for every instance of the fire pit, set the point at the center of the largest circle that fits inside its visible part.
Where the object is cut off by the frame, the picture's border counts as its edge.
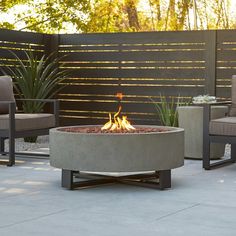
(117, 146)
(152, 150)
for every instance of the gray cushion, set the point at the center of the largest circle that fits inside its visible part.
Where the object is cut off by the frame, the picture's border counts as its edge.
(233, 97)
(223, 126)
(29, 121)
(232, 110)
(233, 90)
(6, 93)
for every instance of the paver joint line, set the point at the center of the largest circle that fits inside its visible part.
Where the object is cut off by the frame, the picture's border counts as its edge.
(32, 219)
(176, 212)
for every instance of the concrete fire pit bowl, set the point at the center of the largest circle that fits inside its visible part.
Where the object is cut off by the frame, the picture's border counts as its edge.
(78, 153)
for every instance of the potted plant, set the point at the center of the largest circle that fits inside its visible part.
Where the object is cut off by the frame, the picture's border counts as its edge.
(167, 111)
(36, 78)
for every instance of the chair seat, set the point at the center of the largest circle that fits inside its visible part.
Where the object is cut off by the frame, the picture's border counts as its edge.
(223, 126)
(28, 121)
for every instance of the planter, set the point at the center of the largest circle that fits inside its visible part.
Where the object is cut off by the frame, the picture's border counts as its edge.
(191, 119)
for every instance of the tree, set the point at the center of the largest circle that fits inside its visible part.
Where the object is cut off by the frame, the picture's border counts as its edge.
(57, 16)
(49, 16)
(131, 9)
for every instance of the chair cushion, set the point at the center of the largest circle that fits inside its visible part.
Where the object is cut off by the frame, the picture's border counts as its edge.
(6, 93)
(223, 126)
(28, 121)
(233, 90)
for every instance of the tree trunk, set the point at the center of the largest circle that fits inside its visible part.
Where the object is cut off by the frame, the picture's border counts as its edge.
(131, 10)
(158, 9)
(183, 13)
(173, 20)
(195, 14)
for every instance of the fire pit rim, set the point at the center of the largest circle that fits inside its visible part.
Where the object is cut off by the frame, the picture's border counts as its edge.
(170, 129)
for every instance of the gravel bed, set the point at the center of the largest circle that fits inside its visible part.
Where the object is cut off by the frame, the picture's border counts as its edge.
(42, 142)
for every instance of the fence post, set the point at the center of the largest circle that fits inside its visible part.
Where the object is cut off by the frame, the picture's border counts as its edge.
(210, 62)
(51, 43)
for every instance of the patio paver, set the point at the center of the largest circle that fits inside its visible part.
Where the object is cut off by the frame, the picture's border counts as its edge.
(199, 203)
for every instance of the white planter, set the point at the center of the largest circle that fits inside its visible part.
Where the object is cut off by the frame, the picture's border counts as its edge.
(191, 119)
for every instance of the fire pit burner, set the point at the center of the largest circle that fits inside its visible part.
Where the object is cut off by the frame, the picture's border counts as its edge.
(152, 151)
(97, 129)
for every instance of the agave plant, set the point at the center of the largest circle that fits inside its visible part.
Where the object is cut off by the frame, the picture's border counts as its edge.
(167, 111)
(36, 78)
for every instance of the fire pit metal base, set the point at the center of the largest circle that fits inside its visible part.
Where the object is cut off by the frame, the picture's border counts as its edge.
(157, 179)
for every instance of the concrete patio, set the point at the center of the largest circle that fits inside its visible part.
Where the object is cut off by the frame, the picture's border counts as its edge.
(199, 203)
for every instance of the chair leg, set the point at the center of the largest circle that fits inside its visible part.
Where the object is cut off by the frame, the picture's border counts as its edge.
(2, 145)
(233, 152)
(11, 150)
(206, 152)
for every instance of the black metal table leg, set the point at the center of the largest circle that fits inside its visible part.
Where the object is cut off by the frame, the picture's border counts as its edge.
(165, 179)
(67, 179)
(158, 179)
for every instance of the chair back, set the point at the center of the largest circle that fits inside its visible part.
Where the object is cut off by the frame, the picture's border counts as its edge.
(6, 92)
(233, 90)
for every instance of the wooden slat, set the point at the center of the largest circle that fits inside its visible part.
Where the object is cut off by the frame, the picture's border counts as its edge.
(140, 90)
(139, 73)
(132, 38)
(132, 47)
(226, 55)
(135, 56)
(225, 73)
(141, 64)
(21, 37)
(223, 92)
(137, 81)
(226, 36)
(89, 121)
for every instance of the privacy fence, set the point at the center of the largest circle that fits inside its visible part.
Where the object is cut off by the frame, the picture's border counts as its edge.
(140, 65)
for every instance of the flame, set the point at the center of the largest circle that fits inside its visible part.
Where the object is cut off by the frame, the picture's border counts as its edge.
(119, 96)
(117, 123)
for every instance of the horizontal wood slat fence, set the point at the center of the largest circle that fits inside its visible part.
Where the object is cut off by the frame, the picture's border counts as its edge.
(140, 65)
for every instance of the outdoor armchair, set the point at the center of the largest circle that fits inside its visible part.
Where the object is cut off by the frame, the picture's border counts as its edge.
(222, 130)
(18, 125)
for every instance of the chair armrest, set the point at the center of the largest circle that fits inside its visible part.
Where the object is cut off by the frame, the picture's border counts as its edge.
(213, 103)
(219, 103)
(11, 111)
(7, 102)
(55, 103)
(11, 106)
(207, 112)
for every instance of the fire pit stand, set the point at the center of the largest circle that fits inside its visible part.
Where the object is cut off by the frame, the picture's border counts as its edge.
(145, 158)
(157, 179)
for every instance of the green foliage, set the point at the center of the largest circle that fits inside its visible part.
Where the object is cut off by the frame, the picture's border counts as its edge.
(47, 16)
(167, 110)
(6, 25)
(36, 78)
(6, 4)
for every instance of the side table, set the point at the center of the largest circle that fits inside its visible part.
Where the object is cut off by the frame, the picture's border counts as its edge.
(191, 119)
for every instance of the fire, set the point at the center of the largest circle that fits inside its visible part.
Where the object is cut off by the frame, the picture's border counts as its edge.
(117, 123)
(119, 96)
